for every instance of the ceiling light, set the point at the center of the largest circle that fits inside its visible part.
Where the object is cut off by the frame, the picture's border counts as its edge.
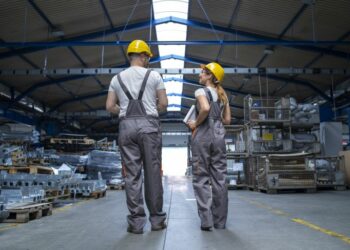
(57, 32)
(268, 51)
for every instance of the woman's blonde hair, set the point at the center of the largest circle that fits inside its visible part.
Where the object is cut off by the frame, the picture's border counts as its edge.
(221, 92)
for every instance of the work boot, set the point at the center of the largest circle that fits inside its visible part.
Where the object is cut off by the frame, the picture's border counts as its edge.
(131, 230)
(208, 229)
(161, 226)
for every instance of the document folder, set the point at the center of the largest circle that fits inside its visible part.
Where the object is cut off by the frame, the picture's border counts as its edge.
(191, 114)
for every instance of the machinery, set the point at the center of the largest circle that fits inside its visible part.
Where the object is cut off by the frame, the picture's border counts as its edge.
(328, 171)
(282, 172)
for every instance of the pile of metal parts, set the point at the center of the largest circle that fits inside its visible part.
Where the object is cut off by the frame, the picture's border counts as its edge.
(19, 133)
(12, 155)
(107, 162)
(20, 189)
(328, 171)
(77, 186)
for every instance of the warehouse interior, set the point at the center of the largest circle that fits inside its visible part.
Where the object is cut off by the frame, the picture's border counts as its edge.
(287, 78)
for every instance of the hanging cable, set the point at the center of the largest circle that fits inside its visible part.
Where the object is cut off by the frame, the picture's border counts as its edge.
(46, 51)
(333, 98)
(313, 20)
(150, 22)
(260, 92)
(103, 39)
(236, 49)
(25, 23)
(208, 19)
(267, 85)
(127, 22)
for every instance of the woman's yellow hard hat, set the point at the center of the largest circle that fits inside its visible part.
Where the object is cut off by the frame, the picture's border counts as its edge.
(215, 69)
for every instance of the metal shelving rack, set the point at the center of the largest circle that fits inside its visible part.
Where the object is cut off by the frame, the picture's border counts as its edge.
(236, 151)
(273, 164)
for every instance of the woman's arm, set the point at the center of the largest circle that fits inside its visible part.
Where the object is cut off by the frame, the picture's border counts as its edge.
(203, 112)
(226, 118)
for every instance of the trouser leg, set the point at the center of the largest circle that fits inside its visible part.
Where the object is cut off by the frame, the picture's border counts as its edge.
(131, 156)
(153, 180)
(218, 170)
(201, 182)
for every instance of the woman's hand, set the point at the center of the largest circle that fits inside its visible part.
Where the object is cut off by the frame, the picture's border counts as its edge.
(192, 125)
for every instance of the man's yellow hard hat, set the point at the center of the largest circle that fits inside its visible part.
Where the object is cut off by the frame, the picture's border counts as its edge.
(139, 46)
(215, 69)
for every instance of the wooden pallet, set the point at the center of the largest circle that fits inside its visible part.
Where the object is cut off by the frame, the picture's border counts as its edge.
(36, 161)
(31, 169)
(116, 187)
(98, 194)
(55, 198)
(236, 187)
(289, 190)
(26, 213)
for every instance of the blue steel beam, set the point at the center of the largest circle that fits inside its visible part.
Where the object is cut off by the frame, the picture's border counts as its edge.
(293, 44)
(17, 117)
(302, 45)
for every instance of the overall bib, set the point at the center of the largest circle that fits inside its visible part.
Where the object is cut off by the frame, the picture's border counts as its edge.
(140, 145)
(209, 168)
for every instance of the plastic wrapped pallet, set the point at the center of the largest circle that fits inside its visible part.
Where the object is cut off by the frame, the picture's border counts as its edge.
(106, 162)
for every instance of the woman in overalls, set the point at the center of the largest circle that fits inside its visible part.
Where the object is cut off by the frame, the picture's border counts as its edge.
(208, 148)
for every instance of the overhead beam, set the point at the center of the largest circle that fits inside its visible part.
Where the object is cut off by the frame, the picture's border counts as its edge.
(184, 71)
(261, 39)
(82, 73)
(294, 44)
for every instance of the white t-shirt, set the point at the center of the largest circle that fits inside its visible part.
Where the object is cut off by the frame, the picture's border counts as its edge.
(132, 78)
(201, 91)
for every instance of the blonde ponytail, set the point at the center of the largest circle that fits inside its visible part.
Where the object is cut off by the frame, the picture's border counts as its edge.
(221, 94)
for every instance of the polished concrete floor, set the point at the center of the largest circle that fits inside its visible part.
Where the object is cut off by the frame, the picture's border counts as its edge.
(256, 221)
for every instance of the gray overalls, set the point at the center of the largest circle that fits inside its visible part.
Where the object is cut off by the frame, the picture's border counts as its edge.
(209, 168)
(140, 145)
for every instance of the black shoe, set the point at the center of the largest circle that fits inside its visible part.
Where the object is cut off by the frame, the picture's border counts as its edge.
(219, 227)
(160, 227)
(206, 229)
(131, 230)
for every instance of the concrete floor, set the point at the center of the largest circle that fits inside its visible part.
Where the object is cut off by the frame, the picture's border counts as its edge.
(256, 221)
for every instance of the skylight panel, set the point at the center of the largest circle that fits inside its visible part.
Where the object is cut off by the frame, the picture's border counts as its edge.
(172, 32)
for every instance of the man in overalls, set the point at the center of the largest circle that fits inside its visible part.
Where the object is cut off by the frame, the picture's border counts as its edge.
(141, 95)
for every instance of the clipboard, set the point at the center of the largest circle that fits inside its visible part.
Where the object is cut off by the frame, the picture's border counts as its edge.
(191, 115)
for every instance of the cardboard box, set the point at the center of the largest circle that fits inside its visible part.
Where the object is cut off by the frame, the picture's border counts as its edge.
(346, 166)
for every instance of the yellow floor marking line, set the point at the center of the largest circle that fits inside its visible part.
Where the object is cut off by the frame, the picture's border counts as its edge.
(9, 226)
(323, 230)
(297, 220)
(61, 209)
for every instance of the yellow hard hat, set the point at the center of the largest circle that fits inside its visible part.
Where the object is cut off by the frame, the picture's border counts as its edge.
(215, 69)
(139, 46)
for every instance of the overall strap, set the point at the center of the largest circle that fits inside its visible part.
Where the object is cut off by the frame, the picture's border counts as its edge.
(144, 84)
(126, 91)
(209, 94)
